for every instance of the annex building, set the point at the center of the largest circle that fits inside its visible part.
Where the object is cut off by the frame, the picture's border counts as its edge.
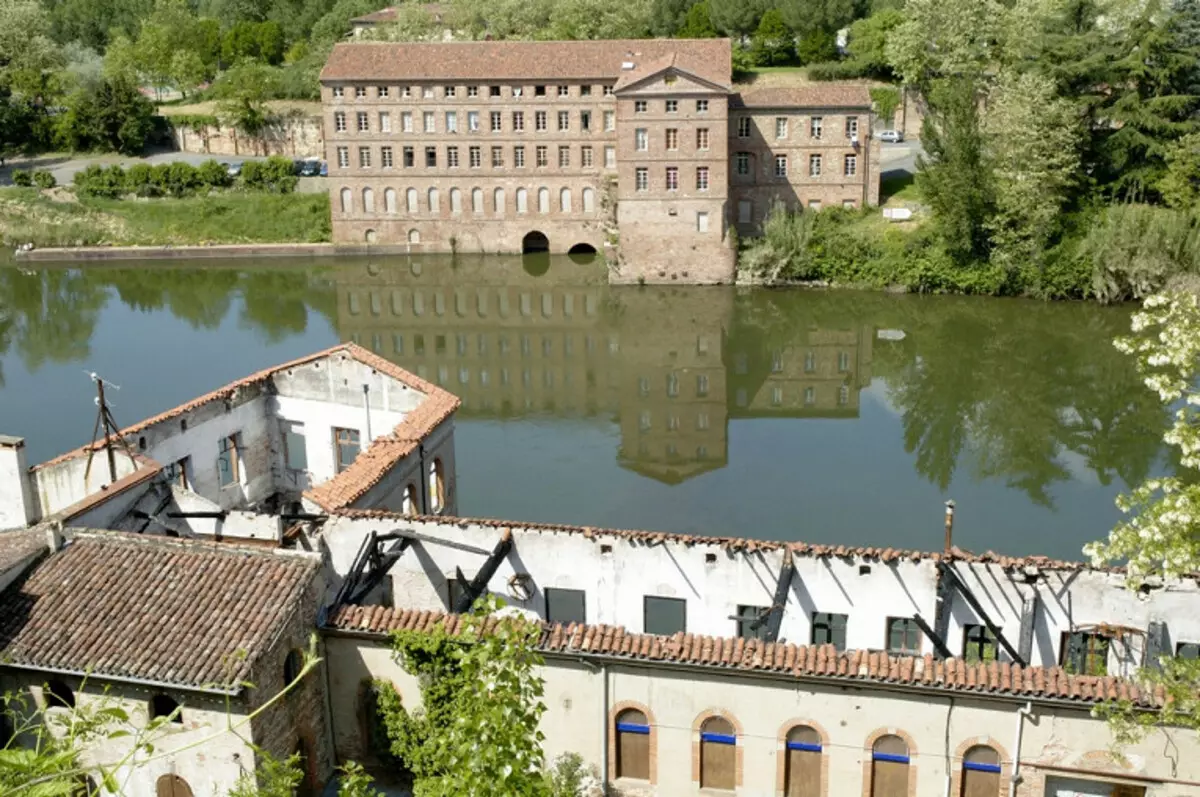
(641, 149)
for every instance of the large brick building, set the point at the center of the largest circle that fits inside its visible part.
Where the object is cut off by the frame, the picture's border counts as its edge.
(640, 148)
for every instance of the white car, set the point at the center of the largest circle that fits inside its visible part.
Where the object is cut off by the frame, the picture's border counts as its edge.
(891, 136)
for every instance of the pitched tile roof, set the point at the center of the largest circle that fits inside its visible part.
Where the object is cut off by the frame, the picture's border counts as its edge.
(814, 95)
(521, 60)
(172, 612)
(744, 544)
(18, 545)
(992, 679)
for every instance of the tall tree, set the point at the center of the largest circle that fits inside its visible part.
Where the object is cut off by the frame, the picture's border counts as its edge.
(668, 16)
(866, 44)
(27, 53)
(698, 23)
(772, 42)
(945, 38)
(829, 16)
(736, 18)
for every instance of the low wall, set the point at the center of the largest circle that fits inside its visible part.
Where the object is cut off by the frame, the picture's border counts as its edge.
(60, 254)
(300, 137)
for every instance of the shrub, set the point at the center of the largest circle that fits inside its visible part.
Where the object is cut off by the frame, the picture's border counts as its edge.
(816, 46)
(1133, 250)
(22, 178)
(96, 180)
(139, 179)
(835, 70)
(179, 178)
(213, 175)
(275, 175)
(44, 179)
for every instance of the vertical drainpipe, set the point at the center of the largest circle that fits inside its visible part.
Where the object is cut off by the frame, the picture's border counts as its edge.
(367, 410)
(604, 735)
(1023, 712)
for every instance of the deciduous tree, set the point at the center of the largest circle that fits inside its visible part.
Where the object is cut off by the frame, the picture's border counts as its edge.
(772, 43)
(698, 23)
(736, 18)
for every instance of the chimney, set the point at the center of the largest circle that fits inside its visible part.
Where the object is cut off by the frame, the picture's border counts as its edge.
(16, 497)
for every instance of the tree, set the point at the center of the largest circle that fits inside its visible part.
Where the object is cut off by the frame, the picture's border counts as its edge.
(667, 17)
(242, 93)
(27, 54)
(698, 23)
(830, 16)
(413, 22)
(944, 38)
(114, 117)
(479, 684)
(772, 42)
(1180, 185)
(866, 43)
(953, 174)
(816, 47)
(735, 18)
(599, 19)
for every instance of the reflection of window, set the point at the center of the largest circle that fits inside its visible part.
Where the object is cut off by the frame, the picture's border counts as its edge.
(829, 629)
(776, 396)
(776, 362)
(718, 754)
(979, 644)
(843, 395)
(810, 362)
(751, 622)
(802, 773)
(346, 447)
(633, 745)
(903, 635)
(1085, 653)
(643, 386)
(701, 385)
(672, 385)
(565, 605)
(810, 396)
(843, 361)
(644, 421)
(702, 421)
(664, 616)
(228, 460)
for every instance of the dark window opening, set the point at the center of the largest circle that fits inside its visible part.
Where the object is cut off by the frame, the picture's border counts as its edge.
(903, 635)
(565, 605)
(979, 644)
(57, 693)
(293, 664)
(1188, 650)
(664, 616)
(1085, 653)
(165, 706)
(752, 622)
(829, 629)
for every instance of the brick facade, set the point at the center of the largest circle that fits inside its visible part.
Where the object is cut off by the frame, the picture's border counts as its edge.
(623, 147)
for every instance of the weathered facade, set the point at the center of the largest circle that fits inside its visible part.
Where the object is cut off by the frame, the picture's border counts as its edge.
(634, 148)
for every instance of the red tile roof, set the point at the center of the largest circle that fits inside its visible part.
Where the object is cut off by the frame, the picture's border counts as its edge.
(174, 612)
(993, 679)
(882, 554)
(18, 545)
(521, 60)
(814, 95)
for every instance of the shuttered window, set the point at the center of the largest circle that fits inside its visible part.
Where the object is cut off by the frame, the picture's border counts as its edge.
(633, 745)
(889, 767)
(802, 777)
(981, 772)
(718, 754)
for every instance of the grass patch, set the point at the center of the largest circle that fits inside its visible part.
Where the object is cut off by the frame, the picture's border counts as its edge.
(27, 215)
(898, 188)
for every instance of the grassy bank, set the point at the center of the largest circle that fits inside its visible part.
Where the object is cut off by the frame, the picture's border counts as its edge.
(58, 218)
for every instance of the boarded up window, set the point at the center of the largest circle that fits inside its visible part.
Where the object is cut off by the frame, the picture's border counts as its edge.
(718, 754)
(889, 767)
(981, 772)
(803, 774)
(633, 745)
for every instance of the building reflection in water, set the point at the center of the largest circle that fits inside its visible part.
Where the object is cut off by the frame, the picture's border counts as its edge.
(670, 366)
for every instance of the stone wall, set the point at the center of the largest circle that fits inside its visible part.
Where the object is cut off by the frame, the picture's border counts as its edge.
(293, 137)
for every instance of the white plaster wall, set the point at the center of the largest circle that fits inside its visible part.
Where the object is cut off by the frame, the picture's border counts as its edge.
(321, 418)
(340, 380)
(389, 492)
(940, 724)
(17, 507)
(107, 513)
(210, 770)
(60, 485)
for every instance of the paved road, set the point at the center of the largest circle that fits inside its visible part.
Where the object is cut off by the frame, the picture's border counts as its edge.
(900, 157)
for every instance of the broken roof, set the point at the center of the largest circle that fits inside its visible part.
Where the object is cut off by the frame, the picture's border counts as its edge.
(172, 612)
(817, 662)
(709, 59)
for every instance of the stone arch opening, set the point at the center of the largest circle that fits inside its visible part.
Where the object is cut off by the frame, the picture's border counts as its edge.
(582, 253)
(535, 242)
(370, 236)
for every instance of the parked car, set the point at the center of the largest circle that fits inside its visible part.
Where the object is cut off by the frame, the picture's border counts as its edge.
(324, 169)
(309, 168)
(234, 169)
(891, 136)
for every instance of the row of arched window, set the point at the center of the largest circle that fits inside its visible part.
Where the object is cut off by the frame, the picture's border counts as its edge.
(476, 201)
(803, 767)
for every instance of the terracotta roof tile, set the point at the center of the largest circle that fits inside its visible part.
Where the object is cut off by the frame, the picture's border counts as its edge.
(813, 95)
(170, 611)
(550, 61)
(20, 544)
(754, 655)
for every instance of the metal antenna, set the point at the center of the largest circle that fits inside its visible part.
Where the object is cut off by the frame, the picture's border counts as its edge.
(104, 418)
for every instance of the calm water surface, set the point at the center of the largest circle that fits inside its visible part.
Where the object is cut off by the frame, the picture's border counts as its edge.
(829, 417)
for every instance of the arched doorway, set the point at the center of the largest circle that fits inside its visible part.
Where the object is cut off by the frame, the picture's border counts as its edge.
(535, 242)
(582, 253)
(370, 236)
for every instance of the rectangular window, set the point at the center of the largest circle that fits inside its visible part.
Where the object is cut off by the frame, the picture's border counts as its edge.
(431, 157)
(295, 451)
(979, 644)
(781, 166)
(493, 91)
(472, 121)
(452, 157)
(539, 121)
(641, 139)
(519, 157)
(565, 605)
(903, 635)
(672, 106)
(702, 138)
(639, 106)
(585, 91)
(539, 91)
(752, 622)
(385, 122)
(497, 157)
(744, 127)
(518, 121)
(364, 157)
(850, 166)
(406, 122)
(585, 157)
(1188, 650)
(814, 165)
(610, 157)
(701, 178)
(345, 448)
(177, 472)
(814, 127)
(385, 157)
(610, 121)
(343, 157)
(427, 92)
(664, 616)
(451, 121)
(781, 125)
(814, 204)
(829, 629)
(430, 125)
(381, 92)
(608, 90)
(229, 460)
(852, 127)
(409, 158)
(672, 138)
(701, 106)
(360, 92)
(641, 178)
(450, 91)
(564, 157)
(745, 211)
(585, 121)
(564, 120)
(339, 121)
(702, 226)
(339, 92)
(741, 163)
(406, 92)
(564, 91)
(542, 157)
(364, 122)
(1085, 653)
(475, 157)
(495, 121)
(472, 91)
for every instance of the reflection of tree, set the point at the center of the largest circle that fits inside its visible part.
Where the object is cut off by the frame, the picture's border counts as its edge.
(48, 315)
(276, 302)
